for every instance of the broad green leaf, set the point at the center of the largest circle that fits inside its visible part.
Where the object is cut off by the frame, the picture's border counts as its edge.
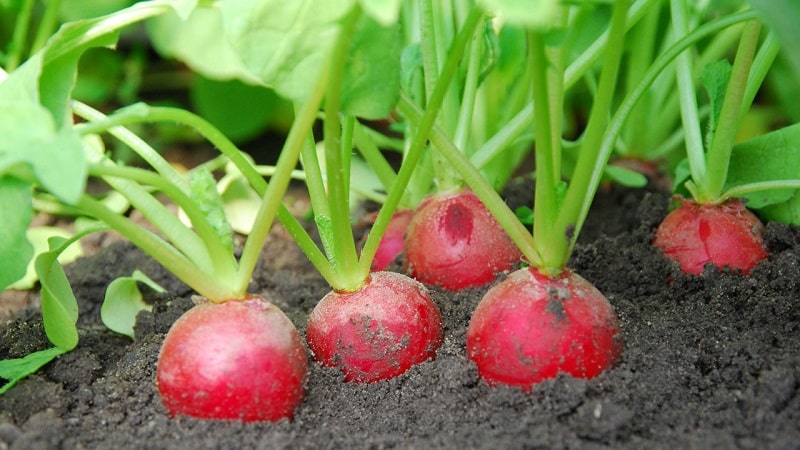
(15, 250)
(786, 212)
(204, 192)
(59, 306)
(16, 369)
(123, 301)
(625, 177)
(283, 44)
(371, 84)
(770, 157)
(531, 13)
(198, 41)
(715, 79)
(783, 16)
(31, 140)
(39, 237)
(384, 12)
(240, 111)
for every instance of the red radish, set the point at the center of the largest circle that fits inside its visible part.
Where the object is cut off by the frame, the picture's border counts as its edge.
(724, 234)
(393, 240)
(378, 332)
(238, 360)
(455, 243)
(531, 327)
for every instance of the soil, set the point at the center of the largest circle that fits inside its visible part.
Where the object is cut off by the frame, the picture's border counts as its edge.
(710, 361)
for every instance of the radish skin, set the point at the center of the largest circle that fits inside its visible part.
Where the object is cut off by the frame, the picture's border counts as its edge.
(237, 360)
(725, 234)
(378, 332)
(453, 242)
(529, 328)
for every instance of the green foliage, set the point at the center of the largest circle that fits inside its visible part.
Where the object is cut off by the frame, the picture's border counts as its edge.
(123, 301)
(16, 251)
(16, 369)
(204, 193)
(59, 306)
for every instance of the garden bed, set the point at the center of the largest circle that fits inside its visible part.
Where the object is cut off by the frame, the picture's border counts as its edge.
(708, 362)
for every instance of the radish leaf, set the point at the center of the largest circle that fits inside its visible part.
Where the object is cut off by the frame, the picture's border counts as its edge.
(59, 306)
(16, 369)
(769, 157)
(16, 251)
(123, 301)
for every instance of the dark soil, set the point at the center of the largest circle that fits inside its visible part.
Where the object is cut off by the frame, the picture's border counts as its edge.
(709, 362)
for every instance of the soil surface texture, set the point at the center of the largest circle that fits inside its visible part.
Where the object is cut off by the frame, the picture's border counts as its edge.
(709, 361)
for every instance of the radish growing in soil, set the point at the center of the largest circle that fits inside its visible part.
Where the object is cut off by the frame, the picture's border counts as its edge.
(714, 226)
(235, 356)
(455, 243)
(241, 359)
(544, 320)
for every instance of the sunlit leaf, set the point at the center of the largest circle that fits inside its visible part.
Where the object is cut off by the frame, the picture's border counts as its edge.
(124, 301)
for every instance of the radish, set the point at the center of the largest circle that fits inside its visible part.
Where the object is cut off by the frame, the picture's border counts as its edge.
(377, 332)
(393, 240)
(541, 320)
(724, 234)
(531, 327)
(455, 243)
(237, 360)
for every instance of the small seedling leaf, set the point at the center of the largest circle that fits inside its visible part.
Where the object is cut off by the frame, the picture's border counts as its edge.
(123, 302)
(39, 237)
(14, 370)
(59, 306)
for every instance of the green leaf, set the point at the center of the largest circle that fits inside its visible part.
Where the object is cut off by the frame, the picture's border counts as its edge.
(770, 157)
(786, 212)
(39, 237)
(59, 306)
(198, 42)
(531, 13)
(783, 16)
(240, 111)
(371, 84)
(625, 177)
(283, 44)
(31, 140)
(203, 190)
(17, 211)
(715, 79)
(123, 301)
(384, 12)
(16, 369)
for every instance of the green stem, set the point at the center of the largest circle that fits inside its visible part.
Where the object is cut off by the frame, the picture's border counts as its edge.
(141, 113)
(137, 113)
(744, 189)
(761, 64)
(419, 139)
(289, 155)
(47, 25)
(719, 154)
(581, 190)
(501, 140)
(464, 123)
(203, 248)
(206, 284)
(631, 99)
(21, 26)
(345, 258)
(687, 94)
(373, 156)
(546, 151)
